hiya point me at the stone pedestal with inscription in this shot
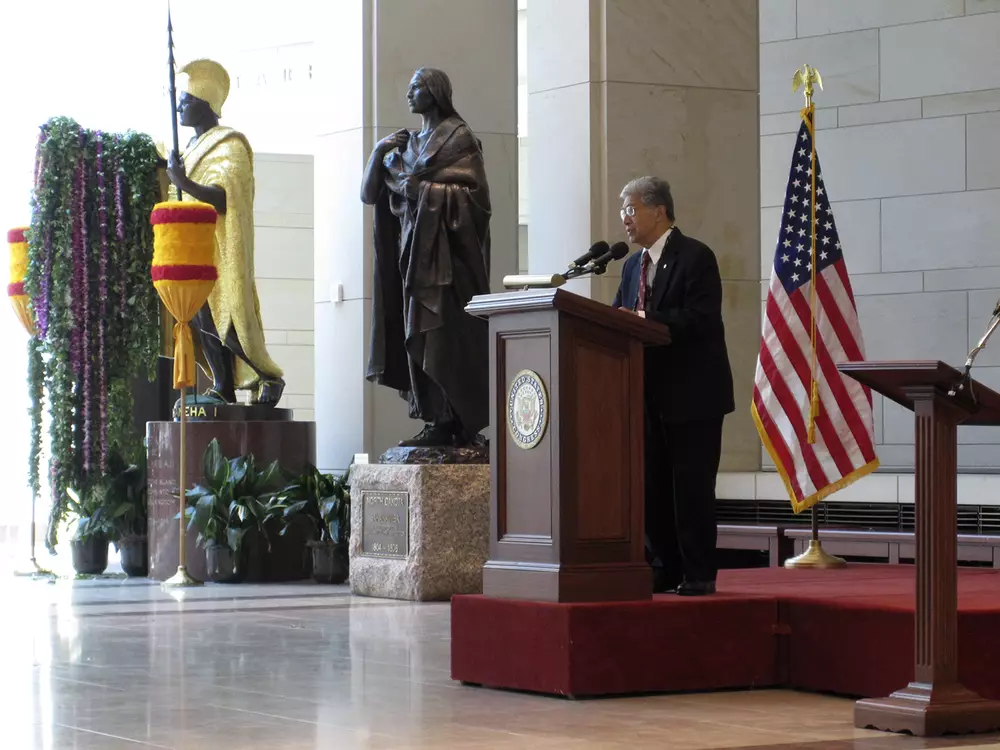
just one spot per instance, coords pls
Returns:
(419, 532)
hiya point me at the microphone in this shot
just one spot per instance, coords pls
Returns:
(596, 250)
(616, 252)
(965, 379)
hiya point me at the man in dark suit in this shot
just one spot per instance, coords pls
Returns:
(675, 281)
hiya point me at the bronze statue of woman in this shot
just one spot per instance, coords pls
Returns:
(432, 255)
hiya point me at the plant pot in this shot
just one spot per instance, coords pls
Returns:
(222, 567)
(330, 562)
(90, 554)
(134, 553)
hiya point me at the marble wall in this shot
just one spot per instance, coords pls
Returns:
(909, 136)
(283, 229)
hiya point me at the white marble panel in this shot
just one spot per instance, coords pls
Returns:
(897, 424)
(870, 114)
(981, 6)
(342, 235)
(895, 457)
(286, 303)
(301, 337)
(983, 135)
(777, 20)
(962, 104)
(867, 284)
(677, 43)
(980, 277)
(275, 337)
(704, 142)
(284, 184)
(978, 457)
(816, 17)
(969, 64)
(343, 58)
(926, 325)
(474, 42)
(735, 485)
(559, 175)
(849, 64)
(963, 233)
(789, 122)
(283, 253)
(559, 46)
(297, 363)
(775, 162)
(876, 161)
(874, 488)
(344, 398)
(978, 489)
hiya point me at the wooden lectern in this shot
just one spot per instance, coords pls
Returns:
(566, 460)
(936, 702)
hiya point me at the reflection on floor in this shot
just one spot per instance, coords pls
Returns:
(114, 664)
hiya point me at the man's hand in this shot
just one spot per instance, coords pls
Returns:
(177, 172)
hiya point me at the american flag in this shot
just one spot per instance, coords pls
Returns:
(844, 440)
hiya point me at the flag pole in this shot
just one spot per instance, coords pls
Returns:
(815, 556)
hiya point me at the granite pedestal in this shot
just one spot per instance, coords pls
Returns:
(419, 532)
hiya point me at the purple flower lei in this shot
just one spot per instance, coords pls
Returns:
(102, 291)
(85, 316)
(120, 225)
(41, 305)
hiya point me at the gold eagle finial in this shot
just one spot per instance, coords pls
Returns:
(807, 77)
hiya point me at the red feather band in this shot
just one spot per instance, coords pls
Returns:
(185, 215)
(184, 273)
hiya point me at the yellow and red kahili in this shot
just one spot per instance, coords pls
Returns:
(183, 272)
(18, 270)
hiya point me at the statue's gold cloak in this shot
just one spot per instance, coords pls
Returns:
(222, 157)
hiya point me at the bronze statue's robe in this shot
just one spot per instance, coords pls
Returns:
(432, 254)
(222, 157)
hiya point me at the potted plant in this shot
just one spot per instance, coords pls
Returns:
(325, 501)
(125, 500)
(90, 539)
(232, 510)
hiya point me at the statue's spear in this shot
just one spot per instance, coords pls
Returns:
(173, 86)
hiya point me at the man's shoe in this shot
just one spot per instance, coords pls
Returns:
(696, 588)
(663, 583)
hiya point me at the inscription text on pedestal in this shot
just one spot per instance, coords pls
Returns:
(385, 523)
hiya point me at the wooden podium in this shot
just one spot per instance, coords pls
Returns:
(566, 461)
(936, 702)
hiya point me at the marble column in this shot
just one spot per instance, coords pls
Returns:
(623, 88)
(367, 51)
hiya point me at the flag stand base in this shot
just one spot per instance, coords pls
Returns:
(815, 556)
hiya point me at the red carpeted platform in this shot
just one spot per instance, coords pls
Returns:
(846, 631)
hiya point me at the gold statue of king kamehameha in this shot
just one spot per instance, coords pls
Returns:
(217, 168)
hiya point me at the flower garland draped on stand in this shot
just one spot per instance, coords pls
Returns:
(90, 246)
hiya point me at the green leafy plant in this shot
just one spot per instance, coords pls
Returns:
(92, 517)
(236, 500)
(125, 499)
(322, 499)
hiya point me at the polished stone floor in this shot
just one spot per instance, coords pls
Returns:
(109, 664)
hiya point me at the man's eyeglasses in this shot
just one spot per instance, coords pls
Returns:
(627, 211)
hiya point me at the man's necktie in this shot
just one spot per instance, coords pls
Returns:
(640, 304)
